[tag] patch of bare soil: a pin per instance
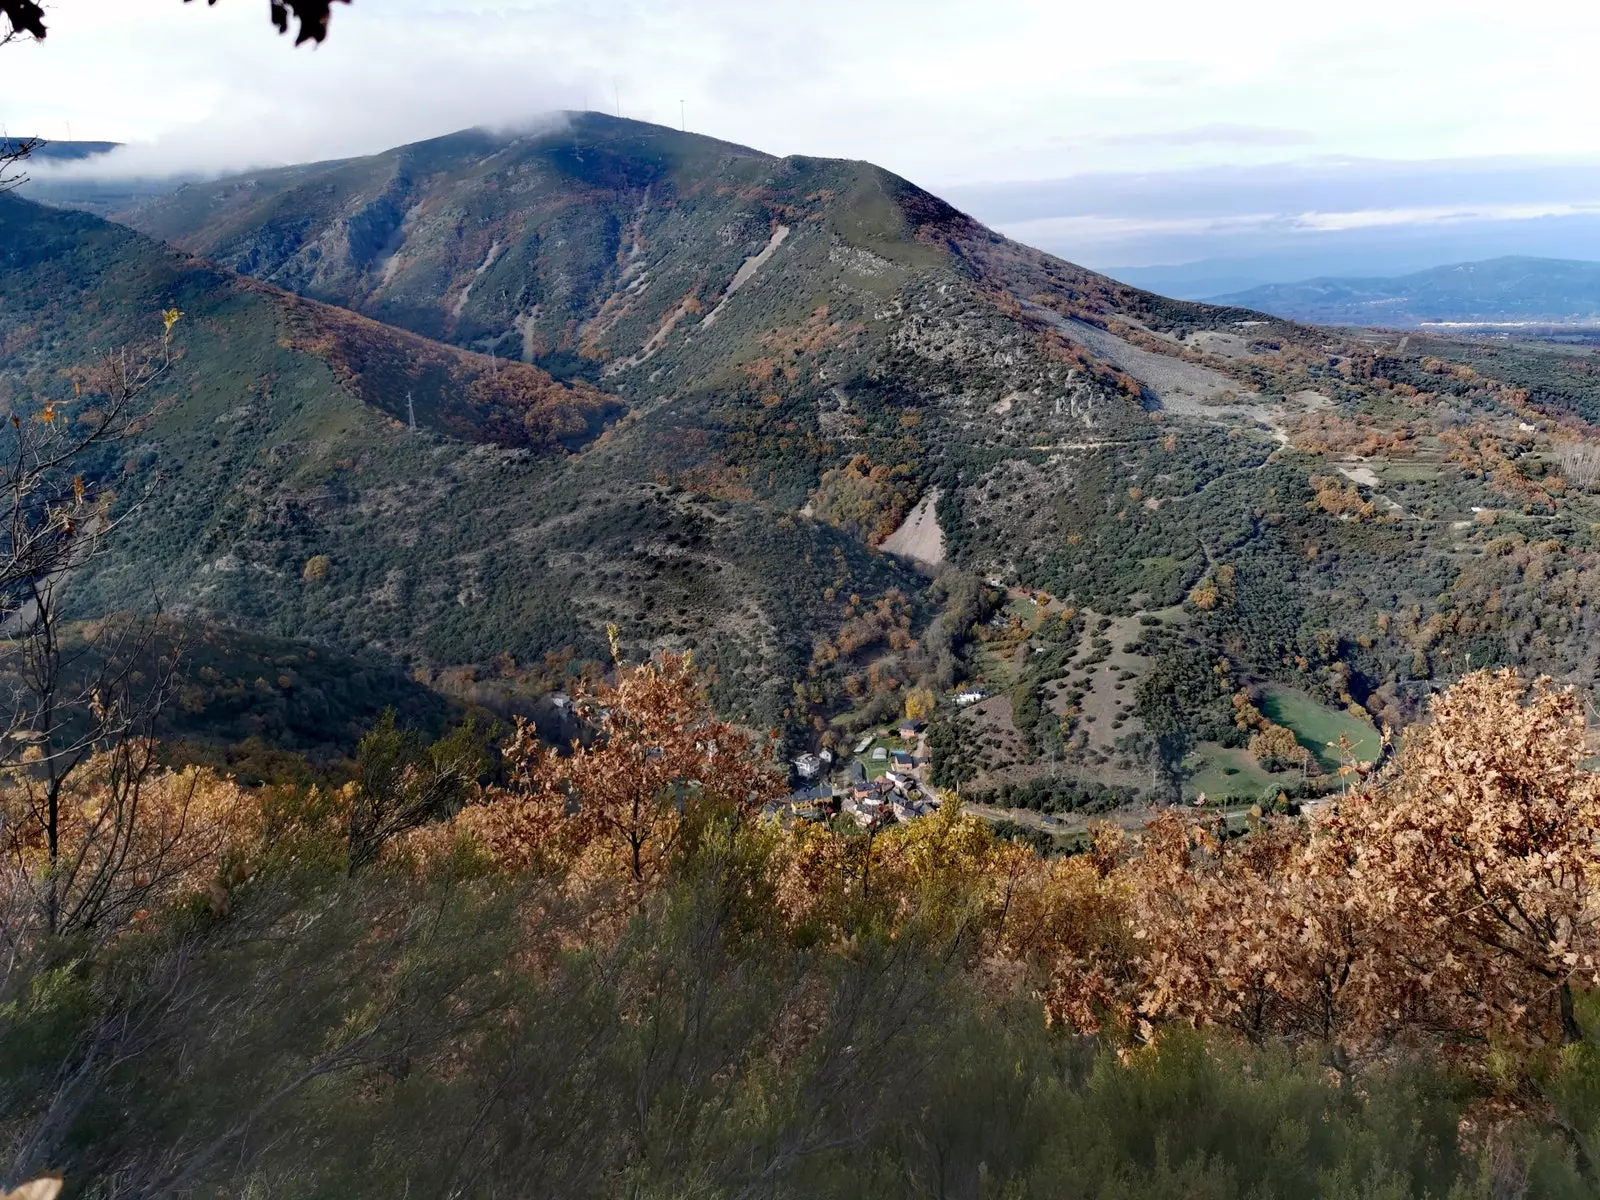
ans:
(1186, 388)
(1180, 386)
(746, 271)
(461, 301)
(989, 722)
(1225, 345)
(919, 537)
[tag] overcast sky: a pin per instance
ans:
(951, 93)
(944, 91)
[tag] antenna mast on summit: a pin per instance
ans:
(616, 94)
(683, 123)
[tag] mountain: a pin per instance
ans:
(67, 175)
(283, 435)
(54, 151)
(581, 247)
(743, 374)
(1499, 291)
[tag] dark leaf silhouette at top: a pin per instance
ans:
(311, 17)
(25, 18)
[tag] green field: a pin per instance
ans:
(1316, 725)
(1409, 472)
(1222, 772)
(1023, 608)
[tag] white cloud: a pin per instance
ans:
(1220, 134)
(1442, 215)
(1089, 231)
(944, 91)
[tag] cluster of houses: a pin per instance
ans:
(896, 794)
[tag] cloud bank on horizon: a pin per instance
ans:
(943, 91)
(1130, 135)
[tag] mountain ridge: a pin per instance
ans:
(799, 353)
(1511, 290)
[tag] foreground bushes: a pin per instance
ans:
(604, 975)
(386, 1036)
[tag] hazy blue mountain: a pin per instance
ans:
(1510, 290)
(63, 174)
(1214, 230)
(61, 151)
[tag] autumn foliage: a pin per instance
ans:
(451, 391)
(656, 762)
(1446, 904)
(869, 499)
(128, 838)
(1452, 898)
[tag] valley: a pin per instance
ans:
(550, 655)
(807, 420)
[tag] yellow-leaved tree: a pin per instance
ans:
(120, 839)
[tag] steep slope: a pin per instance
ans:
(77, 285)
(496, 241)
(1499, 291)
(809, 349)
(279, 438)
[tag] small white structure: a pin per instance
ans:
(808, 765)
(881, 754)
(966, 698)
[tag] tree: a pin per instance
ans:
(13, 151)
(1456, 895)
(102, 698)
(1483, 854)
(1275, 746)
(655, 762)
(919, 703)
(402, 783)
(125, 838)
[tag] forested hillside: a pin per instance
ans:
(281, 488)
(422, 612)
(1230, 506)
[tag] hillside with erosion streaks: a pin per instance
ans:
(748, 372)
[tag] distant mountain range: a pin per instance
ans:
(60, 151)
(1499, 291)
(57, 177)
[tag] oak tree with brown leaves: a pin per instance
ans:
(654, 761)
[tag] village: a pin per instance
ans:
(882, 779)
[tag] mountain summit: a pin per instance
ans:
(505, 390)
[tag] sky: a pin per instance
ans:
(977, 98)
